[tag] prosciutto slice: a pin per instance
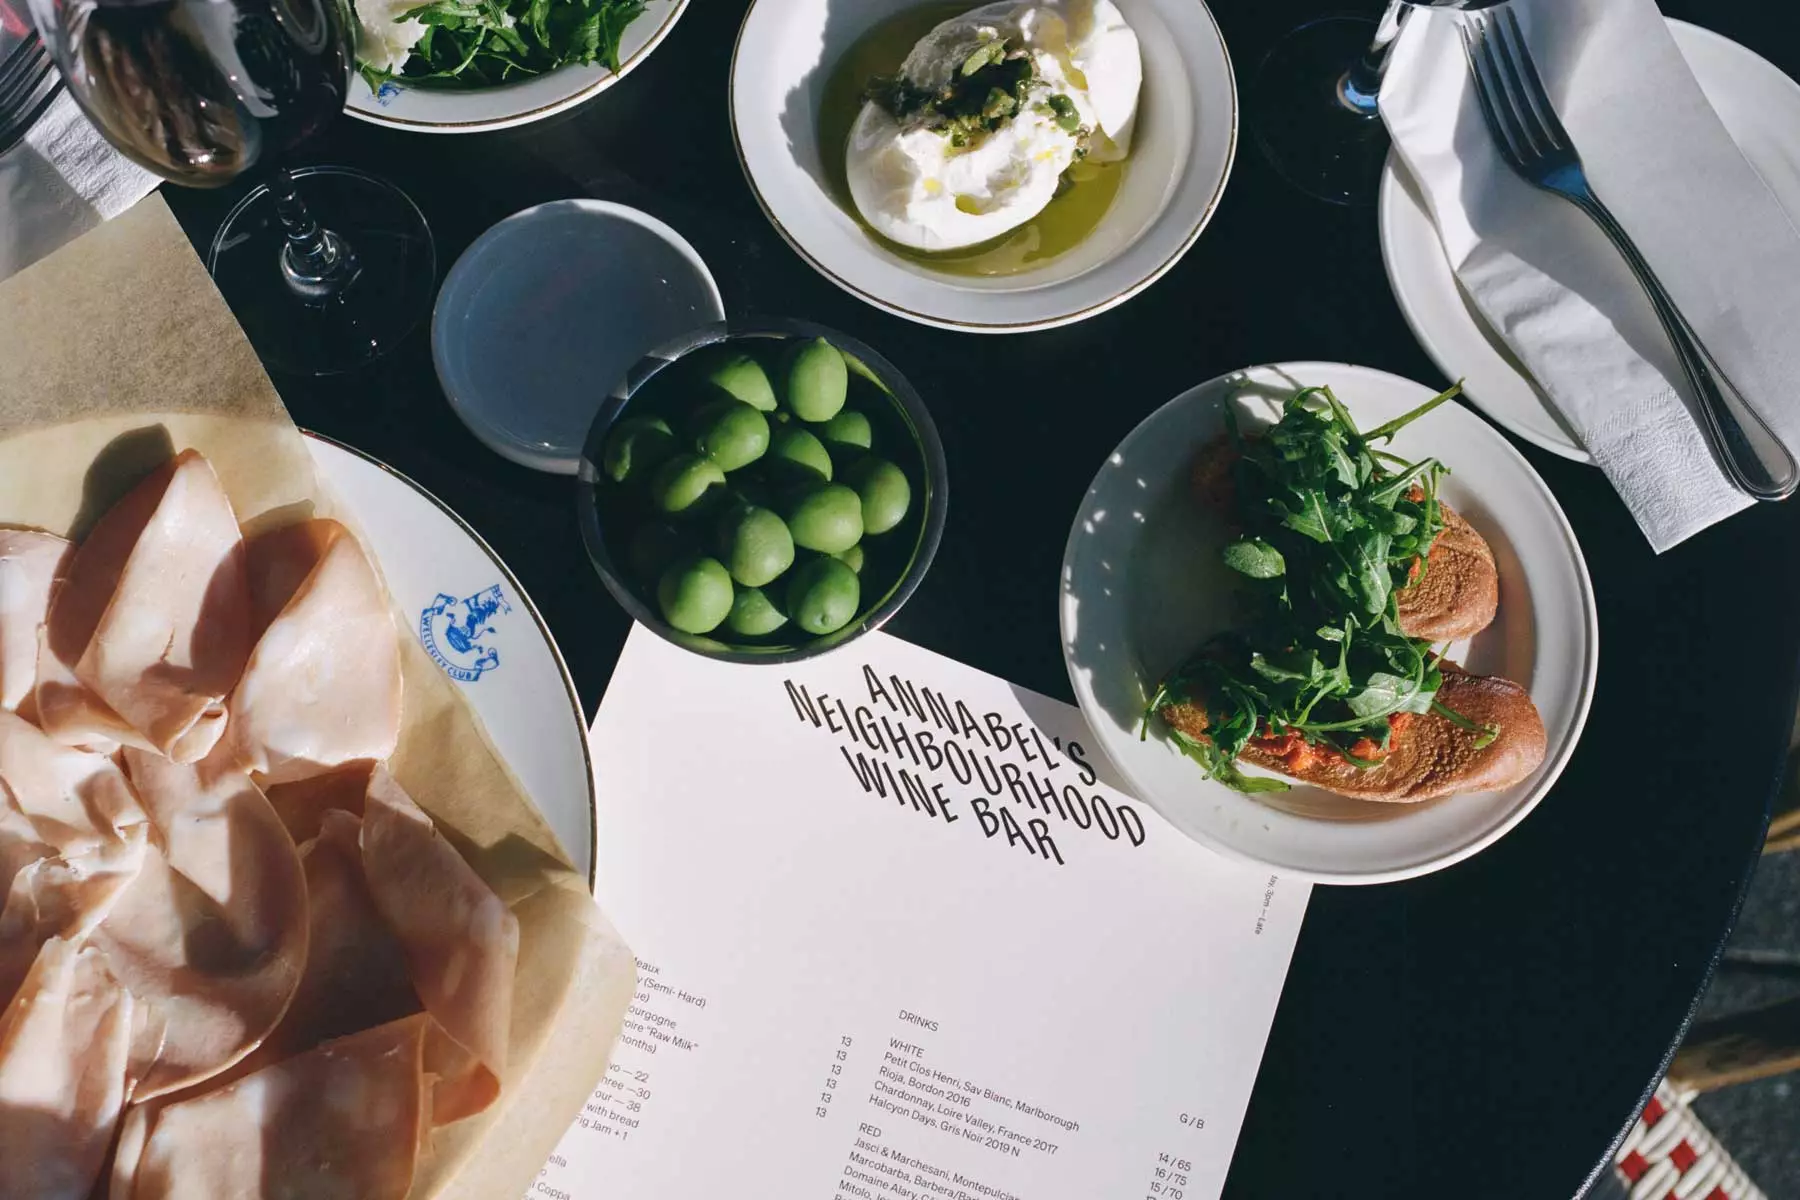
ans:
(322, 686)
(72, 837)
(341, 1122)
(153, 620)
(304, 805)
(211, 936)
(31, 565)
(355, 973)
(65, 1052)
(461, 942)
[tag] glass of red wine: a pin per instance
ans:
(326, 268)
(1315, 106)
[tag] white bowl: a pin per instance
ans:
(548, 309)
(1181, 156)
(1143, 585)
(471, 110)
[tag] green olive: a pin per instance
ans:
(754, 614)
(731, 434)
(653, 547)
(695, 594)
(816, 381)
(823, 596)
(848, 428)
(745, 379)
(884, 492)
(827, 518)
(755, 545)
(799, 455)
(686, 482)
(635, 447)
(852, 558)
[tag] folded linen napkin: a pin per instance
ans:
(1547, 280)
(60, 181)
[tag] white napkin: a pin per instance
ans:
(1547, 280)
(60, 181)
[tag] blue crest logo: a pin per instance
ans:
(452, 631)
(384, 95)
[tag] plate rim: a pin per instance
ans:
(1554, 764)
(1393, 178)
(1193, 235)
(562, 666)
(545, 461)
(581, 95)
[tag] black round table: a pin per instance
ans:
(1487, 1031)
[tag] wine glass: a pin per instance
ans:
(1315, 101)
(326, 268)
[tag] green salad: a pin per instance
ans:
(480, 43)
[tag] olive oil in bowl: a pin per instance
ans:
(1060, 227)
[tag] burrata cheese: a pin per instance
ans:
(917, 186)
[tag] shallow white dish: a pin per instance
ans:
(442, 575)
(445, 110)
(1143, 585)
(1182, 151)
(1759, 105)
(547, 310)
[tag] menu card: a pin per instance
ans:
(901, 934)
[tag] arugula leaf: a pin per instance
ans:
(1224, 769)
(1309, 517)
(1373, 579)
(1294, 665)
(1381, 695)
(1255, 558)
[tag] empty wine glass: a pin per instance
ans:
(325, 267)
(1315, 101)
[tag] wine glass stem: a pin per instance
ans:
(1360, 88)
(316, 263)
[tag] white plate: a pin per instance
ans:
(1182, 150)
(1143, 585)
(550, 308)
(1760, 107)
(470, 110)
(443, 575)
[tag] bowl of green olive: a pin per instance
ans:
(762, 491)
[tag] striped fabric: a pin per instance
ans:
(1670, 1155)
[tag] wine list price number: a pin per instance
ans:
(838, 1059)
(1171, 1176)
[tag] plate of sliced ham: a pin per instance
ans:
(477, 623)
(237, 957)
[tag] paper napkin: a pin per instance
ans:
(1546, 279)
(60, 181)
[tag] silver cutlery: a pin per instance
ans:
(28, 84)
(1532, 140)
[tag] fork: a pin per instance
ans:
(28, 83)
(1532, 140)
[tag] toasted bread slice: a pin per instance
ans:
(1433, 757)
(1458, 592)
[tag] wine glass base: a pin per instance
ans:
(389, 297)
(1318, 134)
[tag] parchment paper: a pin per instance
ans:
(117, 351)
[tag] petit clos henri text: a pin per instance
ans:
(919, 1118)
(930, 754)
